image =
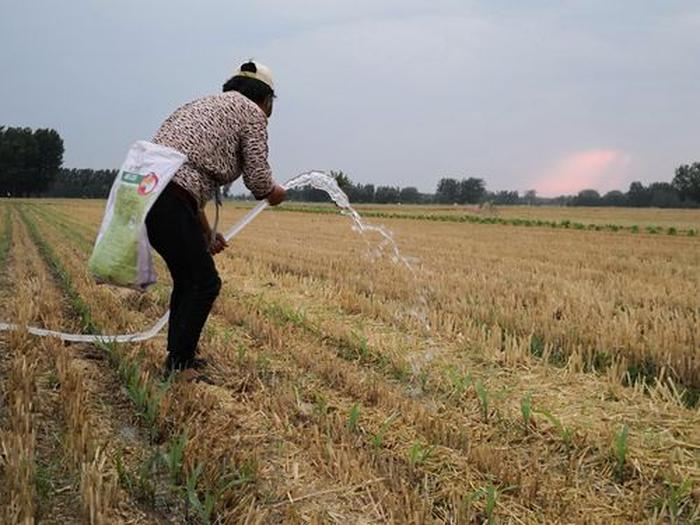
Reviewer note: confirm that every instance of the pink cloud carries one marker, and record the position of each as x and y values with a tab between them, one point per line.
599	169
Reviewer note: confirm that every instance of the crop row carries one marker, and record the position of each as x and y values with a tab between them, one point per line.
475	219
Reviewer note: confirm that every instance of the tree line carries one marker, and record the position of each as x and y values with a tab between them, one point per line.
31	165
29	160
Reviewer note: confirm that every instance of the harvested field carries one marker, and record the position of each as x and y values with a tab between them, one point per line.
518	375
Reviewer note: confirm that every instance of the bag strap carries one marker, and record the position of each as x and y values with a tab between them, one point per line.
217	199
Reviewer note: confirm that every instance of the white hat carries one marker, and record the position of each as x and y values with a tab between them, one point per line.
256	70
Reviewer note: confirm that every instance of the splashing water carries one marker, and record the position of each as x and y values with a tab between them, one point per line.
321	181
316	179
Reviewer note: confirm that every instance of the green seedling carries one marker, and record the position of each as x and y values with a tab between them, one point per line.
241	352
418	454
204	507
361	345
173	457
566	433
378	438
483	396
353	417
141	483
490	494
400	371
151	409
320	404
526	409
676	499
621	448
423	377
460	382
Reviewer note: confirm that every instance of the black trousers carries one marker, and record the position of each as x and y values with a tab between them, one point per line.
176	234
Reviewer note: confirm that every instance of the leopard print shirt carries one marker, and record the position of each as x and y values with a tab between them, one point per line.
223	136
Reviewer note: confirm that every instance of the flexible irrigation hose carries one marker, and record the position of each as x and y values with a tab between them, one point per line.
138	336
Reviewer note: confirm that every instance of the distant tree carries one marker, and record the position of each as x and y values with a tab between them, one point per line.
50	158
687	181
638	195
587	198
29	160
614	198
663	195
387	195
502	197
78	183
409	195
365	193
471	190
343	181
447	191
530	197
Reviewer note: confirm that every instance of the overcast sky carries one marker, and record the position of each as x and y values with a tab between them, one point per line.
556	95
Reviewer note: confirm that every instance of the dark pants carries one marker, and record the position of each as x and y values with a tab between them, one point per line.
175	233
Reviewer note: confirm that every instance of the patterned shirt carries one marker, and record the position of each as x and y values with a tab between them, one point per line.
223	136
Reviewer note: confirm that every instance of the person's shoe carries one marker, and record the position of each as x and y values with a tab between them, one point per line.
191	375
192	366
197	363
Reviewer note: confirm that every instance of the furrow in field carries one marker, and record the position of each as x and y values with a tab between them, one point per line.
97	429
209	441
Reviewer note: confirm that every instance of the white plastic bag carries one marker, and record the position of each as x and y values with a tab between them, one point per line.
122	253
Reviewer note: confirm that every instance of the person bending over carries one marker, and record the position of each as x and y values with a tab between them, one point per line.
224	136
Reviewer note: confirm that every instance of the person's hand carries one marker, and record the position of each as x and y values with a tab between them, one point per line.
277	195
218	244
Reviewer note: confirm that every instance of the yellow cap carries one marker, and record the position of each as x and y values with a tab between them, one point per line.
256	70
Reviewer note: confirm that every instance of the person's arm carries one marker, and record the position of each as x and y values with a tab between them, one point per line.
257	174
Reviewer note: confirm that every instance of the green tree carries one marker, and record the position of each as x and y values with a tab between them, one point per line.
343	181
387	195
638	195
614	198
471	190
409	195
587	198
447	191
687	181
29	160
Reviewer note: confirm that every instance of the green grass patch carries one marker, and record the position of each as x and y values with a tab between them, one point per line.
5	237
79	306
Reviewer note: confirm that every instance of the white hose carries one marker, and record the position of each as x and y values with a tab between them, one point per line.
138	336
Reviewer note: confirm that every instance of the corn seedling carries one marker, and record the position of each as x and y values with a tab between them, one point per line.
204	508
526	409
173	457
320	404
418	453
483	396
140	483
353	417
565	432
677	499
620	449
460	382
378	438
241	352
490	495
361	346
